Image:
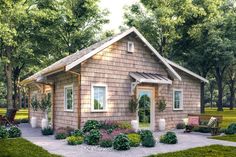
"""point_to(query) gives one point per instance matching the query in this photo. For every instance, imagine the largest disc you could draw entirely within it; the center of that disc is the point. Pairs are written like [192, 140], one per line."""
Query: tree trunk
[202, 97]
[232, 95]
[219, 79]
[8, 73]
[211, 99]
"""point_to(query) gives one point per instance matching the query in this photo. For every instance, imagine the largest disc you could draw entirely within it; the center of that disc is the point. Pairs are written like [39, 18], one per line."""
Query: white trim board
[172, 72]
[187, 71]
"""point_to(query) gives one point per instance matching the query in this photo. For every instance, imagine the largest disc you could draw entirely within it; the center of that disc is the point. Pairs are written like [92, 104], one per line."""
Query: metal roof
[143, 77]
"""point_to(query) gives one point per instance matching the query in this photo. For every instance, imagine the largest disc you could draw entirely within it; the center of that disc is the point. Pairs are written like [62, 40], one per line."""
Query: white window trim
[92, 95]
[130, 42]
[65, 105]
[181, 103]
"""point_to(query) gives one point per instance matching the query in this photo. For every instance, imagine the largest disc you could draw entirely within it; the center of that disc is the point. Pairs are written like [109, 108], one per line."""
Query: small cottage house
[98, 82]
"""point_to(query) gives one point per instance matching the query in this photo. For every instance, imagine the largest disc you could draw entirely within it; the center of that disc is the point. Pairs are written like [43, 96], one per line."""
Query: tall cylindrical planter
[44, 123]
[134, 124]
[33, 122]
[162, 124]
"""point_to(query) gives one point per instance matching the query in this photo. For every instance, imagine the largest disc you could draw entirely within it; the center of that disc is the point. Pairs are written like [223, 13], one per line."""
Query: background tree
[35, 33]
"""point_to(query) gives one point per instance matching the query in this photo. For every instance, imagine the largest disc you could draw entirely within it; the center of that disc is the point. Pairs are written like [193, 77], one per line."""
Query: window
[68, 98]
[178, 99]
[130, 46]
[99, 98]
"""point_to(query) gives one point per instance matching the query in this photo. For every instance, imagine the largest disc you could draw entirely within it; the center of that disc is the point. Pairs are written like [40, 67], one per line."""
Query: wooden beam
[79, 101]
[73, 72]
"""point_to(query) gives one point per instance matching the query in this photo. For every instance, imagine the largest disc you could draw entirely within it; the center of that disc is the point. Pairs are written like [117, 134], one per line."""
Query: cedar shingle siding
[111, 67]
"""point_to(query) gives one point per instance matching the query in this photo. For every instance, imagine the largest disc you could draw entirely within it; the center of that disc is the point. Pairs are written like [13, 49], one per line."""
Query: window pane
[69, 98]
[177, 99]
[99, 97]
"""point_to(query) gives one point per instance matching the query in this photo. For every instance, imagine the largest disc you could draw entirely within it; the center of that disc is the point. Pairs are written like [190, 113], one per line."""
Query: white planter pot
[33, 122]
[44, 123]
[134, 124]
[162, 124]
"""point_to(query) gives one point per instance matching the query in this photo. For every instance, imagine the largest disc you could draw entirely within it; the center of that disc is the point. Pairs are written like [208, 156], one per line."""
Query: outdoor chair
[9, 118]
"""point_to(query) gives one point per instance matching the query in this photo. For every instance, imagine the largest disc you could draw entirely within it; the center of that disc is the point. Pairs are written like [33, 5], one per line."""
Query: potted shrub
[161, 107]
[45, 106]
[34, 106]
[133, 107]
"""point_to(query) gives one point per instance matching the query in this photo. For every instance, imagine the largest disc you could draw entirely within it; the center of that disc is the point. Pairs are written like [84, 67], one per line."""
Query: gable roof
[172, 72]
[69, 62]
[187, 71]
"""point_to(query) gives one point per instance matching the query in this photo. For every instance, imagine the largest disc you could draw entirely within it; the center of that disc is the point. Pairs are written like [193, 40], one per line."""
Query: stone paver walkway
[185, 141]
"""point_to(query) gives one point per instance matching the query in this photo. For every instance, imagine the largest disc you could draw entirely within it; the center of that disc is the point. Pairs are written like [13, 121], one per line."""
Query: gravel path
[185, 141]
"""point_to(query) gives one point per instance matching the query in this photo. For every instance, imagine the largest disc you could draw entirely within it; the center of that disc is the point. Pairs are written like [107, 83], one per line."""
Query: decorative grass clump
[135, 139]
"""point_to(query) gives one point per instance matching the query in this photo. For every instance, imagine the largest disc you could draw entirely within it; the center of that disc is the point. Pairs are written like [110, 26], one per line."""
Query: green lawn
[22, 148]
[21, 114]
[231, 138]
[229, 116]
[208, 151]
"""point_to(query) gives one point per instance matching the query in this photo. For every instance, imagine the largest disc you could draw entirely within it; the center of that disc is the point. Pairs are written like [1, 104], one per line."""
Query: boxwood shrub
[148, 141]
[169, 138]
[121, 142]
[231, 129]
[3, 132]
[93, 137]
[147, 138]
[47, 131]
[91, 124]
[14, 132]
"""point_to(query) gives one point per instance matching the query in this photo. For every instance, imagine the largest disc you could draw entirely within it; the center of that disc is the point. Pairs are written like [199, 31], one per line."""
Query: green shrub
[134, 139]
[124, 125]
[75, 140]
[204, 129]
[121, 142]
[180, 126]
[77, 132]
[60, 136]
[14, 132]
[47, 131]
[145, 133]
[3, 132]
[148, 141]
[93, 137]
[231, 129]
[169, 138]
[91, 124]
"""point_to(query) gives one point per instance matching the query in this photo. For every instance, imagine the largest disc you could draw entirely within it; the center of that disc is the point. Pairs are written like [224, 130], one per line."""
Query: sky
[115, 7]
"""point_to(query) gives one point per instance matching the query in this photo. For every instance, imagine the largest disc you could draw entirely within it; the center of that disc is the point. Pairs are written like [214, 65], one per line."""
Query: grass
[229, 116]
[21, 114]
[22, 148]
[231, 138]
[208, 151]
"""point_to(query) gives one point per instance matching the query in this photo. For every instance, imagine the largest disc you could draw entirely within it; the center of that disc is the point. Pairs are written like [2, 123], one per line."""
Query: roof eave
[187, 71]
